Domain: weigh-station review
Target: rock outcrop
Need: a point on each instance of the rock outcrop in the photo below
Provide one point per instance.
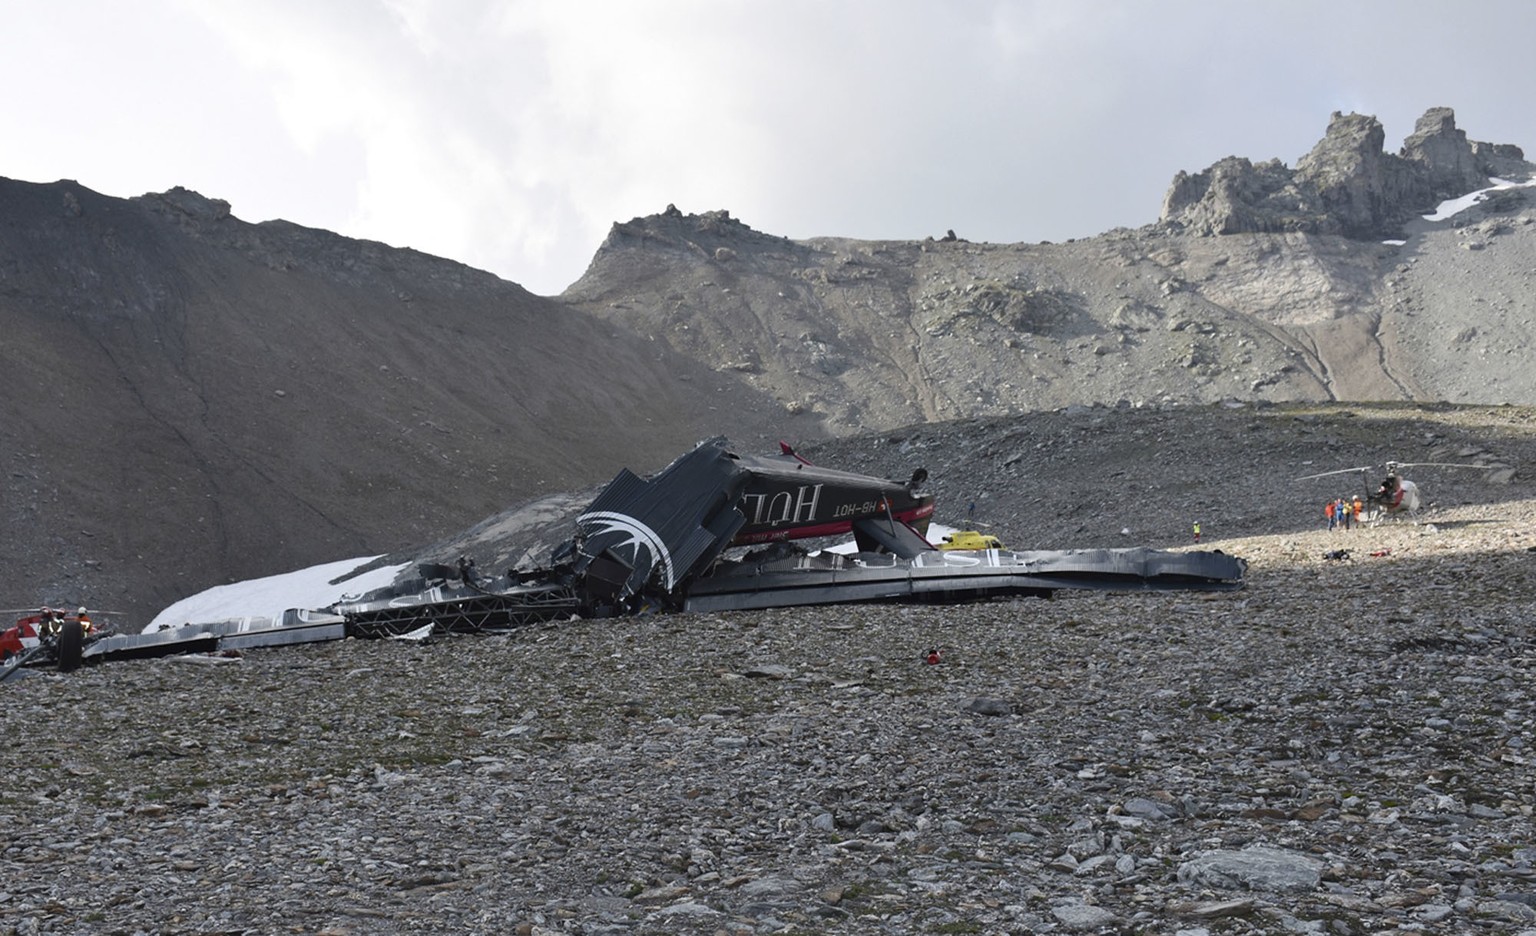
(1356, 189)
(1451, 166)
(1346, 185)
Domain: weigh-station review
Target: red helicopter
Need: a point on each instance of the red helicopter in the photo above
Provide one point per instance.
(46, 635)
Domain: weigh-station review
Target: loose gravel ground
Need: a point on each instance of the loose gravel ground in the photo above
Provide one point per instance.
(1342, 747)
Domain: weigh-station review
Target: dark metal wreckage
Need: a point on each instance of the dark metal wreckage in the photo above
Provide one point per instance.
(714, 531)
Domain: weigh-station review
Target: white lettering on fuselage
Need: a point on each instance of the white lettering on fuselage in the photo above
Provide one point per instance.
(782, 508)
(856, 510)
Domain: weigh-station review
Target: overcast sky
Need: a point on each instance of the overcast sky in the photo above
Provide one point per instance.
(510, 134)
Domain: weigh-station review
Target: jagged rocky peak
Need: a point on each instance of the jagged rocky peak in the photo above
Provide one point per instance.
(673, 224)
(1447, 153)
(714, 235)
(1346, 185)
(186, 202)
(1444, 152)
(1350, 139)
(1232, 196)
(1353, 186)
(648, 246)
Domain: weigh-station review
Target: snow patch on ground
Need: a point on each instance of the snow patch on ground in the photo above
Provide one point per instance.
(1449, 209)
(269, 597)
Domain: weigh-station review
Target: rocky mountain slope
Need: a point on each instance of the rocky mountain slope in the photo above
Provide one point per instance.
(192, 399)
(1258, 283)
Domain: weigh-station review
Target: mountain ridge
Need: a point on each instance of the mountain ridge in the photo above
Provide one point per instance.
(194, 399)
(1169, 312)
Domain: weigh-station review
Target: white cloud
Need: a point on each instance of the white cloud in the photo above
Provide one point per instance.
(510, 134)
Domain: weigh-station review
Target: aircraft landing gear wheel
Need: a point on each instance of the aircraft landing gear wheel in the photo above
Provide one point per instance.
(71, 646)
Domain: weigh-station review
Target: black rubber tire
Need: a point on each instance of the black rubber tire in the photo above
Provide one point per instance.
(71, 646)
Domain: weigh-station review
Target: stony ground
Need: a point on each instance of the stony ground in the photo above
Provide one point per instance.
(1342, 747)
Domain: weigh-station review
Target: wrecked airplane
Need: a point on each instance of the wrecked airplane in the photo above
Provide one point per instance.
(713, 531)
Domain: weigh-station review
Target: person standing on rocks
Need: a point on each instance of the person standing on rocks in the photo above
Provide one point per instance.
(1328, 511)
(1197, 531)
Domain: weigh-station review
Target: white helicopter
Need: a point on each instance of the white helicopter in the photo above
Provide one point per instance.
(1396, 494)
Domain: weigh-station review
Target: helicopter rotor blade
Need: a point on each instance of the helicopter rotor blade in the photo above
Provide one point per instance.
(34, 610)
(1328, 474)
(1439, 465)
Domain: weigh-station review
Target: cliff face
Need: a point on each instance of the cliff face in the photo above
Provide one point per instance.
(1346, 185)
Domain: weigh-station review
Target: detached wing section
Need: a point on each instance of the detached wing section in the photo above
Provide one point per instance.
(776, 581)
